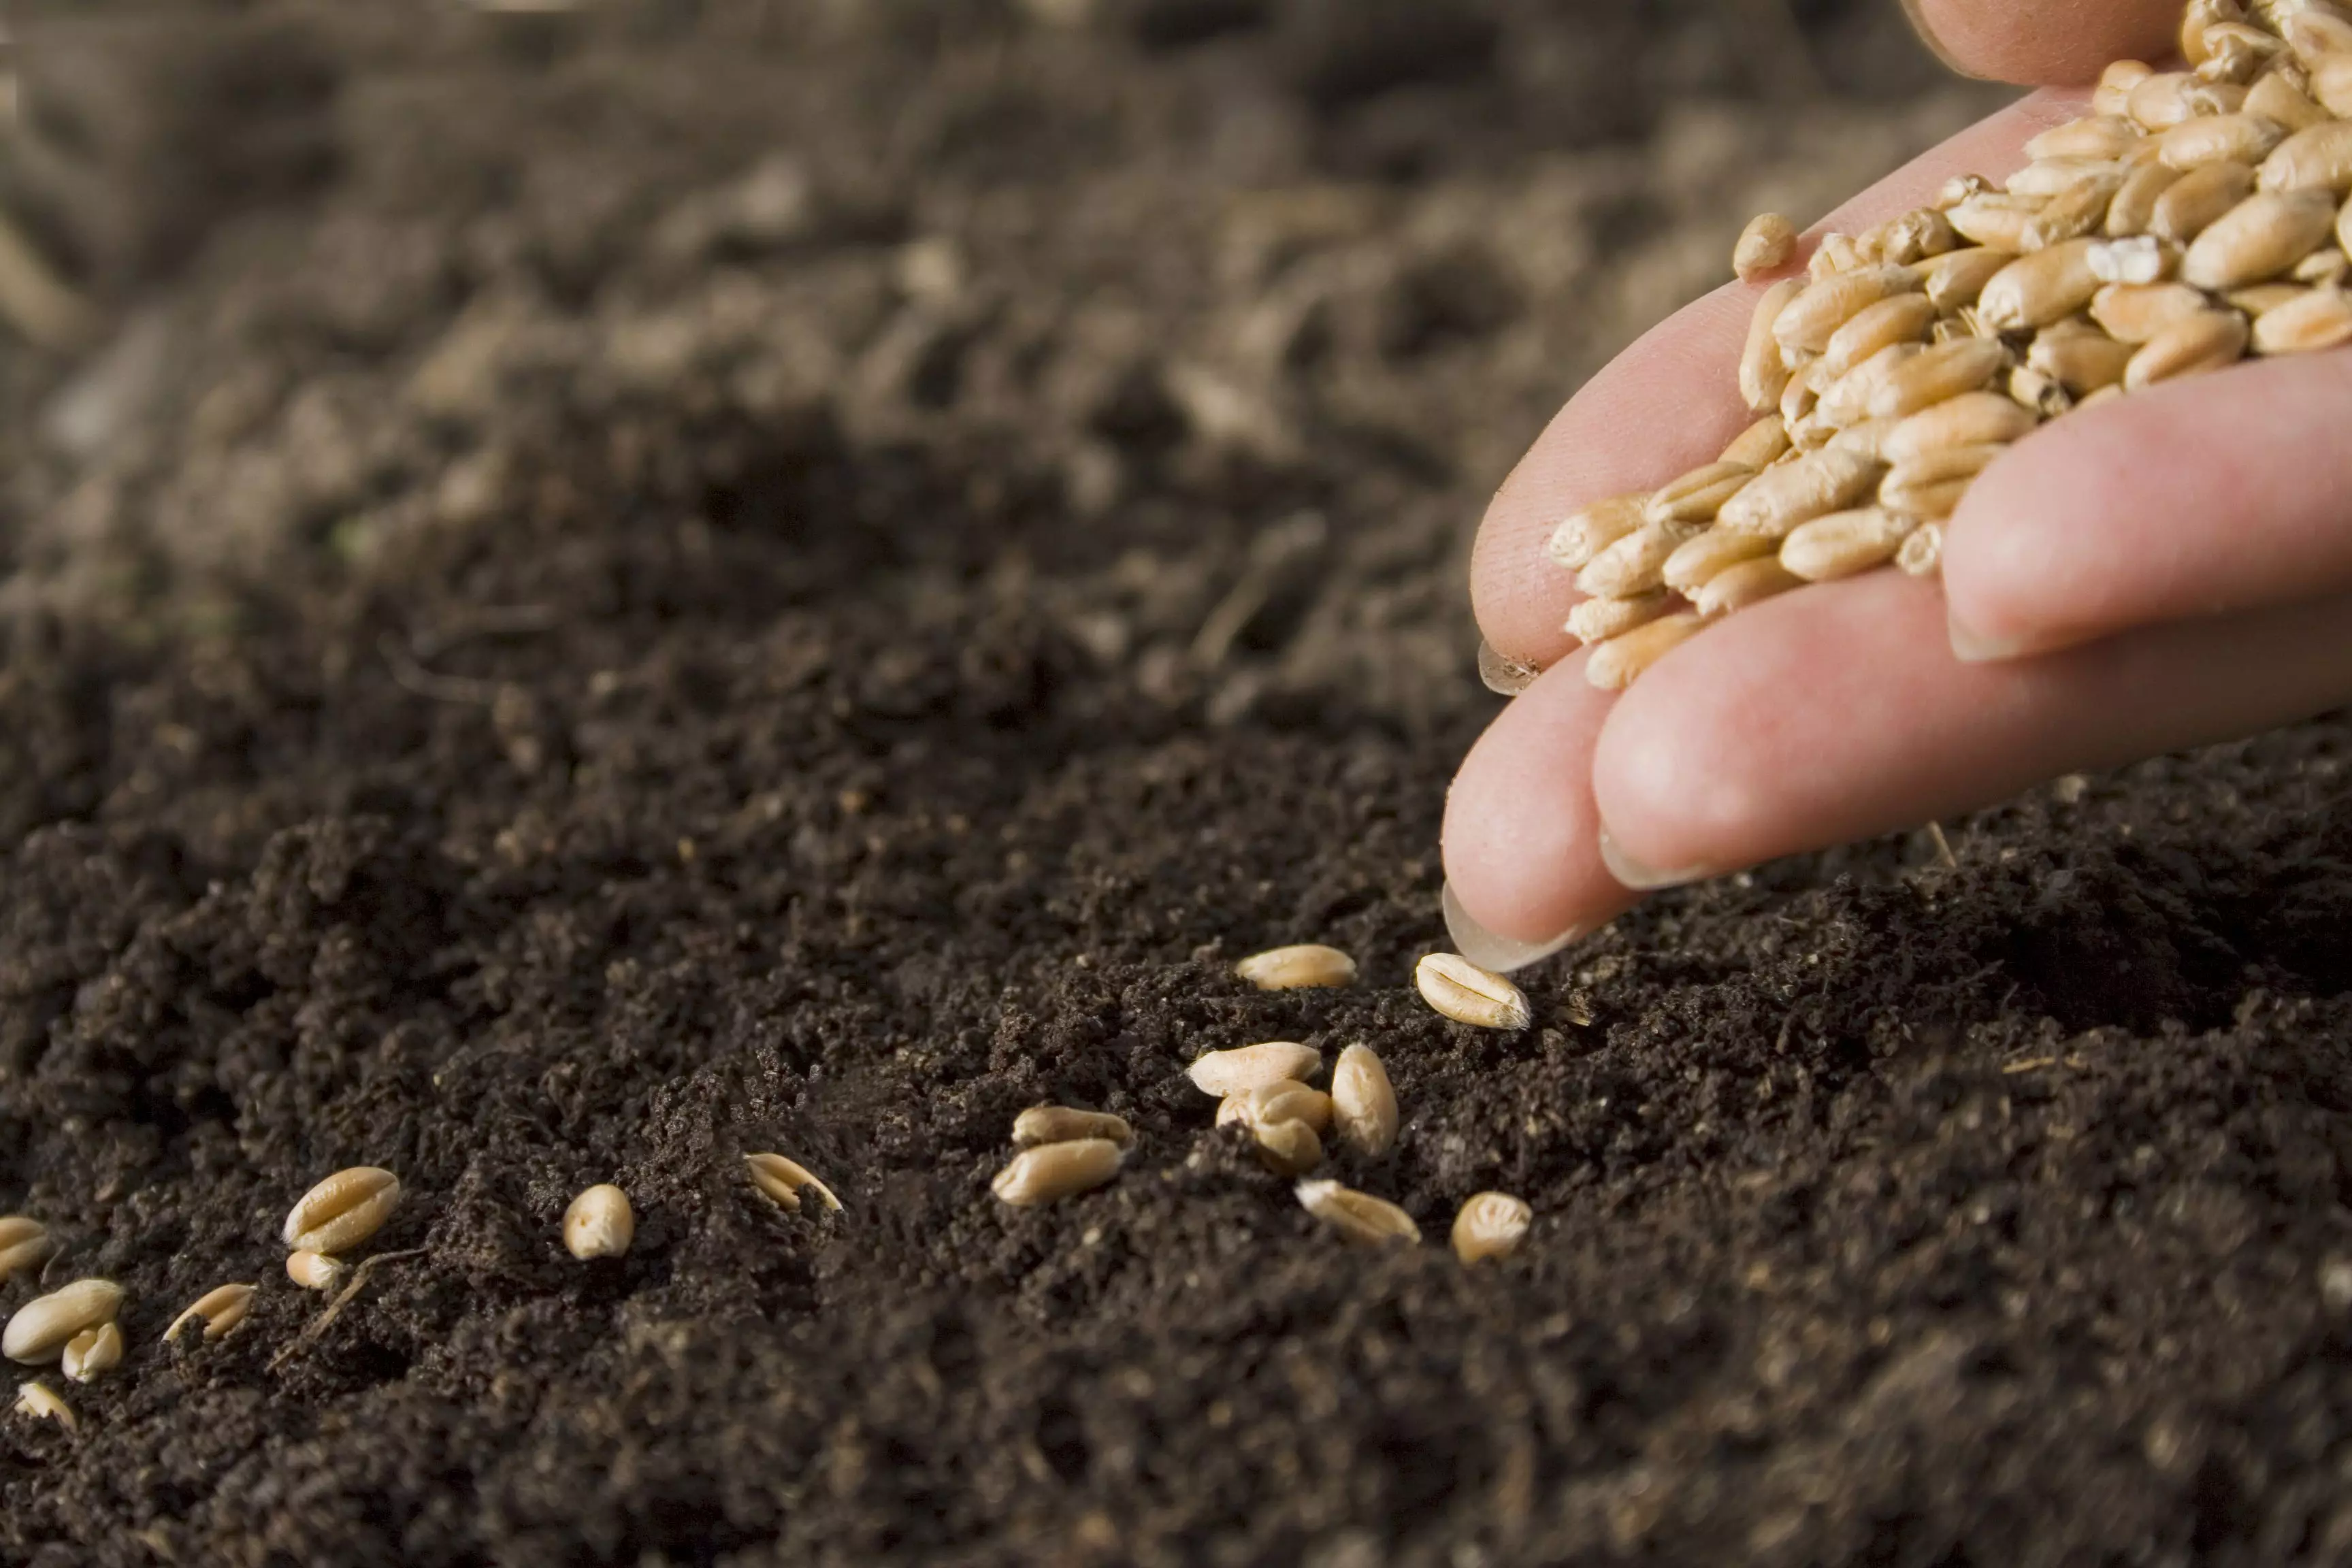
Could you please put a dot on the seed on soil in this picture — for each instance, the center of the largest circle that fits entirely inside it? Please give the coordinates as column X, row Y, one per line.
column 1288, row 1148
column 220, row 1309
column 1304, row 965
column 1469, row 994
column 343, row 1210
column 1363, row 1103
column 41, row 1328
column 1288, row 1100
column 92, row 1352
column 1358, row 1217
column 1241, row 1067
column 1051, row 1171
column 314, row 1270
column 40, row 1400
column 1064, row 1124
column 599, row 1222
column 1490, row 1224
column 23, row 1243
column 1765, row 246
column 782, row 1179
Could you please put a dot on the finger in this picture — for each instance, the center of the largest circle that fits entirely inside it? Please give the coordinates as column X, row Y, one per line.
column 1522, row 861
column 2055, row 46
column 2196, row 497
column 1835, row 713
column 1670, row 402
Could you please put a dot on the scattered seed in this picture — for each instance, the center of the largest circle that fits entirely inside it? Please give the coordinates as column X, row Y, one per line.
column 1303, row 966
column 1598, row 620
column 599, row 1222
column 37, row 1400
column 1765, row 246
column 1490, row 1224
column 1618, row 663
column 23, row 1243
column 782, row 1179
column 1062, row 1124
column 343, row 1210
column 220, row 1309
column 1469, row 994
column 1288, row 1148
column 1363, row 1104
column 314, row 1270
column 1358, row 1217
column 1243, row 1067
column 1051, row 1171
column 1588, row 530
column 93, row 1352
column 42, row 1326
column 2321, row 318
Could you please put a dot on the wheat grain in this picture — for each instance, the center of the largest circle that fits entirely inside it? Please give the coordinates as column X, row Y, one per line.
column 92, row 1352
column 1220, row 1074
column 2319, row 318
column 41, row 1329
column 781, row 1181
column 1469, row 994
column 1062, row 1124
column 220, row 1309
column 1748, row 582
column 343, row 1210
column 2208, row 340
column 1054, row 1171
column 1358, row 1217
column 1764, row 246
column 1304, row 965
column 40, row 1400
column 1618, row 663
column 23, row 1244
column 1363, row 1102
column 1490, row 1224
column 1844, row 542
column 1598, row 620
column 599, row 1222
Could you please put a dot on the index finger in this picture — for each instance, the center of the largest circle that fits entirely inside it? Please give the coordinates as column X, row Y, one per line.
column 1669, row 403
column 2045, row 45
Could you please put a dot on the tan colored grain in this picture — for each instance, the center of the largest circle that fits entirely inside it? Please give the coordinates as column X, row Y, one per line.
column 2030, row 388
column 1696, row 496
column 1922, row 554
column 1634, row 564
column 1802, row 488
column 2134, row 207
column 1288, row 1148
column 1957, row 189
column 2198, row 198
column 2208, row 340
column 38, row 1401
column 599, row 1222
column 1797, row 399
column 1698, row 559
column 1844, row 544
column 1737, row 587
column 1358, row 1216
column 2133, row 313
column 1590, row 530
column 1765, row 246
column 315, row 1270
column 1762, row 375
column 1598, row 620
column 2264, row 297
column 220, row 1309
column 1363, row 1102
column 1945, row 371
column 2047, row 177
column 2112, row 94
column 1931, row 485
column 2258, row 239
column 2273, row 97
column 2237, row 54
column 1469, row 994
column 2318, row 157
column 1490, row 1224
column 2331, row 83
column 1898, row 318
column 92, row 1352
column 1957, row 279
column 2036, row 290
column 781, row 1181
column 1810, row 319
column 2198, row 16
column 2321, row 269
column 343, row 1210
column 1847, row 399
column 1243, row 1067
column 1865, row 439
column 1616, row 664
column 1064, row 1124
column 2321, row 318
column 2220, row 137
column 1917, row 236
column 2078, row 210
column 1758, row 444
column 1306, row 965
column 2078, row 356
column 2166, row 98
column 2314, row 30
column 41, row 1327
column 1972, row 418
column 1057, row 1171
column 2092, row 136
column 23, row 1243
column 1996, row 220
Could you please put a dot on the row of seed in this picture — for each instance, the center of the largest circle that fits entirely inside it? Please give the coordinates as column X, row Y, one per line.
column 76, row 1325
column 2193, row 217
column 1264, row 1088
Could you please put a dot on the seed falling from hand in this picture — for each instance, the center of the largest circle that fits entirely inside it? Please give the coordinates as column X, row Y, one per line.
column 343, row 1210
column 1490, row 1224
column 782, row 1179
column 1309, row 965
column 92, row 1352
column 1053, row 1171
column 1469, row 994
column 599, row 1224
column 220, row 1309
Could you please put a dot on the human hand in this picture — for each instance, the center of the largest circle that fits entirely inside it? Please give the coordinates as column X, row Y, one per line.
column 2164, row 570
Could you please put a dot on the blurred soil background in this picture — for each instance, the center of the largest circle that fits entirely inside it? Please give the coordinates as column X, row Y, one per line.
column 587, row 593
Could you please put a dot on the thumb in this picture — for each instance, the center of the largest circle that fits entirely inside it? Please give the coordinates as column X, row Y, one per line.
column 2046, row 43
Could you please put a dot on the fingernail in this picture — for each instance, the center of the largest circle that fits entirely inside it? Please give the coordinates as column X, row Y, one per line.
column 1642, row 879
column 1972, row 647
column 1505, row 677
column 1501, row 954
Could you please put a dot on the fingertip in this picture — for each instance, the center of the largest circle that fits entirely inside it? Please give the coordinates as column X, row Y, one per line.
column 2051, row 46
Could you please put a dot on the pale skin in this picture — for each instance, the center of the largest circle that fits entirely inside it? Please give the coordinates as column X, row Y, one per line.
column 2163, row 572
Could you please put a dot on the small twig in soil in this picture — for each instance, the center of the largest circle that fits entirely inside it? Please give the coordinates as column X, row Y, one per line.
column 1943, row 847
column 411, row 676
column 318, row 1324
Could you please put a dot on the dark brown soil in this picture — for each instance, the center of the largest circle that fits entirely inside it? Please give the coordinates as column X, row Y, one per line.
column 635, row 588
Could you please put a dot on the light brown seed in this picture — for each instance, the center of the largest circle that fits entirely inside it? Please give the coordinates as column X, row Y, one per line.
column 2198, row 198
column 1865, row 437
column 1847, row 399
column 2112, row 94
column 2143, row 259
column 2210, row 340
column 2198, row 16
column 2237, row 54
column 599, row 1222
column 2135, row 313
column 2078, row 357
column 2331, row 82
column 2134, row 207
column 1242, row 1068
column 1844, row 542
column 1765, row 246
column 1957, row 189
column 1917, row 236
column 1797, row 398
column 2080, row 209
column 2092, row 136
column 1288, row 1100
column 1469, row 994
column 23, row 1243
column 2030, row 388
column 2273, row 97
column 1760, row 444
column 1290, row 1147
column 1956, row 279
column 1358, row 1217
column 1306, row 965
column 42, row 1326
column 1696, row 559
column 1490, row 1224
column 782, row 1179
column 40, row 1400
column 2166, row 98
column 1836, row 253
column 1062, row 1124
column 1996, row 220
column 1931, row 485
column 1363, row 1102
column 1633, row 565
column 1590, row 530
column 1898, row 318
column 1616, row 664
column 2321, row 318
column 1693, row 496
column 343, row 1210
column 2037, row 290
column 315, row 1270
column 92, row 1352
column 1763, row 377
column 1922, row 554
column 2220, row 137
column 2258, row 239
column 1598, row 620
column 2321, row 269
column 2314, row 31
column 2316, row 158
column 1790, row 492
column 220, row 1309
column 2264, row 297
column 1737, row 587
column 1053, row 1171
column 1814, row 316
column 2046, row 177
column 1945, row 371
column 2343, row 228
column 1970, row 419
